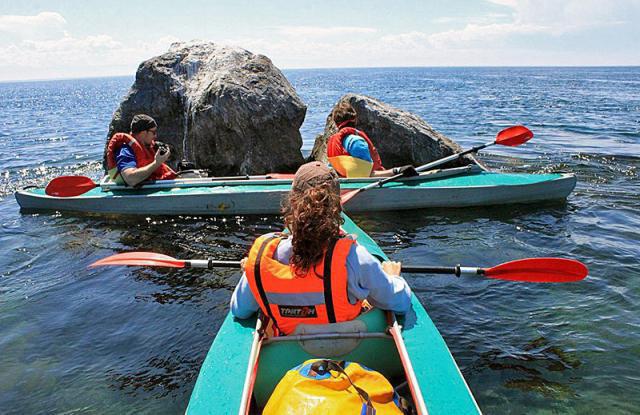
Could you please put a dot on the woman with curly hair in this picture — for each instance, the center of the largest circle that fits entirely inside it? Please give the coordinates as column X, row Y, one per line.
column 315, row 274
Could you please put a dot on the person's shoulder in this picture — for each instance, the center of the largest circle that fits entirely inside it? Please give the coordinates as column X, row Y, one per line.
column 125, row 149
column 357, row 147
column 353, row 139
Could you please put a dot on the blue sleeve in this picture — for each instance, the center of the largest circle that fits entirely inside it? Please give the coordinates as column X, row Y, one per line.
column 356, row 146
column 367, row 279
column 125, row 159
column 243, row 304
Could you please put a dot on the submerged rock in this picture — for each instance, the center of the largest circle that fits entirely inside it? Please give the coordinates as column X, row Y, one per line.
column 224, row 108
column 400, row 137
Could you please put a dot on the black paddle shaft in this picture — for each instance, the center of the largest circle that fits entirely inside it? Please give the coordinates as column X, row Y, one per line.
column 409, row 269
column 380, row 183
column 425, row 269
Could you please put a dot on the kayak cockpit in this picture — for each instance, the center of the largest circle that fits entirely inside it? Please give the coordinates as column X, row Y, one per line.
column 367, row 340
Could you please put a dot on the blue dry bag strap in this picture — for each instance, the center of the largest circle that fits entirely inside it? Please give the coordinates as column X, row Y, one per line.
column 259, row 286
column 326, row 280
column 325, row 365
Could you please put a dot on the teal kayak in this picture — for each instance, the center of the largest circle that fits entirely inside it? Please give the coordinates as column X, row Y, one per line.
column 458, row 187
column 243, row 367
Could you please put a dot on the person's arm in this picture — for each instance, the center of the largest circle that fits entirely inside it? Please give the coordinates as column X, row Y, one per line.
column 367, row 279
column 243, row 304
column 382, row 173
column 134, row 175
column 408, row 171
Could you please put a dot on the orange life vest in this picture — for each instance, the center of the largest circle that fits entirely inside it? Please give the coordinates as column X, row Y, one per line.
column 290, row 300
column 144, row 156
column 336, row 149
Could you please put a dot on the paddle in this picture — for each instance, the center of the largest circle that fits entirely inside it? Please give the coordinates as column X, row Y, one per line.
column 512, row 136
column 68, row 186
column 524, row 270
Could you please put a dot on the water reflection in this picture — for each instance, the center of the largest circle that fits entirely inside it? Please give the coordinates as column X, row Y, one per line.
column 533, row 368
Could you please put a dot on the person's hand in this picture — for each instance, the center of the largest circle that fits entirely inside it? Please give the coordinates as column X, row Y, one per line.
column 392, row 267
column 243, row 262
column 162, row 157
column 407, row 171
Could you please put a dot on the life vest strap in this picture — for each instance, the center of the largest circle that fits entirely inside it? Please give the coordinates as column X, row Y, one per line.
column 326, row 365
column 259, row 286
column 326, row 280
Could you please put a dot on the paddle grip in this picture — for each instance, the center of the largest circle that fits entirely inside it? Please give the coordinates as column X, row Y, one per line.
column 457, row 270
column 210, row 264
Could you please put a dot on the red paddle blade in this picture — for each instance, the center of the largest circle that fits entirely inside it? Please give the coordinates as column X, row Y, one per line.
column 539, row 270
column 348, row 195
column 514, row 136
column 140, row 259
column 68, row 186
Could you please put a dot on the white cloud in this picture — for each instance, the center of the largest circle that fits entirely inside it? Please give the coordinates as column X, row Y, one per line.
column 528, row 17
column 40, row 45
column 474, row 35
column 316, row 31
column 87, row 51
column 563, row 16
column 45, row 25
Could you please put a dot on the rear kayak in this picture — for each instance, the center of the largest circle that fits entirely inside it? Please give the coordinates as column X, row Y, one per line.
column 458, row 187
column 228, row 383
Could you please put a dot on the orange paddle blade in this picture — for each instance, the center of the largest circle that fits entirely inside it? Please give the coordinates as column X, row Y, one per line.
column 539, row 270
column 514, row 136
column 140, row 259
column 68, row 186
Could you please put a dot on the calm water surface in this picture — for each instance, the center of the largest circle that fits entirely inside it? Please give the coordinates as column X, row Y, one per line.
column 127, row 340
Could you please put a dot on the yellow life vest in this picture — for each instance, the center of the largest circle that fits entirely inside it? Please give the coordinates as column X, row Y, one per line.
column 320, row 386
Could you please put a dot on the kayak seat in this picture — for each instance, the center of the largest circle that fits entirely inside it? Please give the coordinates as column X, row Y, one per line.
column 330, row 347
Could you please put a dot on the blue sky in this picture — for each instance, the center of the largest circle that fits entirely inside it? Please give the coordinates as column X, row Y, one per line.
column 67, row 39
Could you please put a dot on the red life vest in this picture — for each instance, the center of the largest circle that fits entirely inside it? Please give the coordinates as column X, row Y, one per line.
column 335, row 147
column 144, row 156
column 290, row 300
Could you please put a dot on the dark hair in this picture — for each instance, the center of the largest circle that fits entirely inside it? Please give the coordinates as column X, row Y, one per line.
column 142, row 122
column 344, row 112
column 313, row 217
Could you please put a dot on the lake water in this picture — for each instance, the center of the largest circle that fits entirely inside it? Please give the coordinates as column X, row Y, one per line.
column 131, row 340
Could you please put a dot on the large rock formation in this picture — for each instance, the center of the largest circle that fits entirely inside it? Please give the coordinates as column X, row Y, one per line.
column 400, row 137
column 223, row 108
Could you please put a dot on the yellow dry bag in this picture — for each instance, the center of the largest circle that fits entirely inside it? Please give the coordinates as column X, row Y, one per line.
column 320, row 386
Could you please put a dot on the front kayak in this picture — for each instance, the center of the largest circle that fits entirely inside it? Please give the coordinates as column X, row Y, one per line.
column 458, row 187
column 242, row 368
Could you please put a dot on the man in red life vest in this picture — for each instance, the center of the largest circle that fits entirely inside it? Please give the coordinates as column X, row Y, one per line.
column 134, row 157
column 350, row 151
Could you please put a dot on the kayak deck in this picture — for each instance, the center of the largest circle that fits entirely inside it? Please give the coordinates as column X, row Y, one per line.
column 461, row 188
column 218, row 389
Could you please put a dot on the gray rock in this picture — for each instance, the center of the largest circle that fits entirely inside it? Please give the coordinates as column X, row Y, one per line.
column 224, row 108
column 400, row 137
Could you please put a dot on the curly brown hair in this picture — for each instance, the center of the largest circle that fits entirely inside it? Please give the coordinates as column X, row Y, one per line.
column 344, row 112
column 313, row 217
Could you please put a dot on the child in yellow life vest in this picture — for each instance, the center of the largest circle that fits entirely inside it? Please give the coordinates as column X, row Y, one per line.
column 350, row 151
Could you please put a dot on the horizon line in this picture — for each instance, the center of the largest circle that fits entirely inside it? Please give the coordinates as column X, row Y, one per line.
column 24, row 80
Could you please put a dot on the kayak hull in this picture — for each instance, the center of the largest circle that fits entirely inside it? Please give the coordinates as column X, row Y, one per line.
column 219, row 387
column 263, row 197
